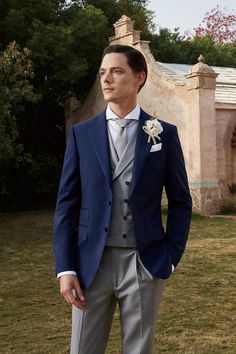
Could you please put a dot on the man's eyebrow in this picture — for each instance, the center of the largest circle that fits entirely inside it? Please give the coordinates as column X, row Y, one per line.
column 112, row 68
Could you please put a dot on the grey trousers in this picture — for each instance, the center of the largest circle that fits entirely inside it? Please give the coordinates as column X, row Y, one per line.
column 121, row 278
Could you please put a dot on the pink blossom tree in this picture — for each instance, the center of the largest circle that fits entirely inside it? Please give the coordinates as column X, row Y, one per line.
column 219, row 24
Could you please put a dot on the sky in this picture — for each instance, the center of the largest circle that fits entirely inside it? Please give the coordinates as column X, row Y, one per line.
column 185, row 14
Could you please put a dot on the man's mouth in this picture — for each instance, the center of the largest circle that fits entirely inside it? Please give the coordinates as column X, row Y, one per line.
column 108, row 89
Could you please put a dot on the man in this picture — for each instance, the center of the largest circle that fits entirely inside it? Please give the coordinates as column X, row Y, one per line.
column 110, row 245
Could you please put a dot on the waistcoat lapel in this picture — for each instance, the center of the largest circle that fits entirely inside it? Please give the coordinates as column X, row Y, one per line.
column 113, row 153
column 127, row 156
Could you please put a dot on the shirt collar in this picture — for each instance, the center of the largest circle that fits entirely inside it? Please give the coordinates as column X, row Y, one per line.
column 134, row 114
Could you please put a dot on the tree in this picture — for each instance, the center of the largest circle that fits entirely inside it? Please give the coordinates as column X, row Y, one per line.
column 15, row 74
column 65, row 41
column 135, row 9
column 15, row 87
column 220, row 25
column 170, row 46
column 166, row 46
column 57, row 36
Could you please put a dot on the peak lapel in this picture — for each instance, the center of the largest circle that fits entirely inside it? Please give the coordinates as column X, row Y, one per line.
column 142, row 149
column 99, row 140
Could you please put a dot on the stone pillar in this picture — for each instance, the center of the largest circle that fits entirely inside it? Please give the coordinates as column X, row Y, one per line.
column 200, row 85
column 125, row 34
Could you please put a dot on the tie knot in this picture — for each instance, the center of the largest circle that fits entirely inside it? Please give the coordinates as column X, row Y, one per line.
column 122, row 122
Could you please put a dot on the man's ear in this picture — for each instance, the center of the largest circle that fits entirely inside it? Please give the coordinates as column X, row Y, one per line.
column 141, row 77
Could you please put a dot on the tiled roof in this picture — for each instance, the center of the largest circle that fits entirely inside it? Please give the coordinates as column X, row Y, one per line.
column 174, row 72
column 225, row 81
column 225, row 84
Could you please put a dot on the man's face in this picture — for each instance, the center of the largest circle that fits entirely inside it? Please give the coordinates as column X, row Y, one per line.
column 119, row 83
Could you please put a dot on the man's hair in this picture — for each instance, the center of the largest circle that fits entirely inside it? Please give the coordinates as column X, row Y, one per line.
column 135, row 58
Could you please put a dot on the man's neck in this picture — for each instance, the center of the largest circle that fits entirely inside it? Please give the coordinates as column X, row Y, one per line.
column 122, row 110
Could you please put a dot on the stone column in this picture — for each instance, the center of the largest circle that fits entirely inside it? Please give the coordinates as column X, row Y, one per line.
column 125, row 34
column 200, row 85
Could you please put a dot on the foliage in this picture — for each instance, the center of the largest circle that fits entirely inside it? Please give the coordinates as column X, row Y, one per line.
column 65, row 40
column 170, row 46
column 218, row 24
column 166, row 46
column 57, row 37
column 15, row 88
column 215, row 38
column 135, row 9
column 65, row 43
column 215, row 54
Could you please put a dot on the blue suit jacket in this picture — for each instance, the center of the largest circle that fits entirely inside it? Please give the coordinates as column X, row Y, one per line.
column 85, row 198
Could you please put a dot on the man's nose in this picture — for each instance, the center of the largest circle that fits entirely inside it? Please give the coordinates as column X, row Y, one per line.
column 107, row 77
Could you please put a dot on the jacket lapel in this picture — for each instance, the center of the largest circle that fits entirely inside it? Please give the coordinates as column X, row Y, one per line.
column 99, row 140
column 142, row 150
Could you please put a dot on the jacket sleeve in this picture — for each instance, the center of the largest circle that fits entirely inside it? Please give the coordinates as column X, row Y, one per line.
column 67, row 209
column 179, row 200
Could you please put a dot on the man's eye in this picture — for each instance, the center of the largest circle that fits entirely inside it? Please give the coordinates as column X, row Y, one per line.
column 116, row 71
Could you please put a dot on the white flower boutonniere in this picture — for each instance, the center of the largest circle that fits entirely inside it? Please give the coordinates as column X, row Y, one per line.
column 153, row 128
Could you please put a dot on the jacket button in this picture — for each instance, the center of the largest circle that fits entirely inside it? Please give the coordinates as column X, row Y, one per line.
column 109, row 203
column 127, row 182
column 105, row 229
column 126, row 200
column 124, row 236
column 125, row 217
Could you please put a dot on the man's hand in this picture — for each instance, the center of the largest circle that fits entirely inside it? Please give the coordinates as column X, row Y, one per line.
column 71, row 290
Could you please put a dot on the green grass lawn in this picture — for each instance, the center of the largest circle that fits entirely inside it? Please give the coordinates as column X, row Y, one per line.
column 197, row 313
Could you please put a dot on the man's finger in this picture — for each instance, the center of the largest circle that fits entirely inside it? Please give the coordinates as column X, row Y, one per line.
column 74, row 300
column 79, row 292
column 71, row 291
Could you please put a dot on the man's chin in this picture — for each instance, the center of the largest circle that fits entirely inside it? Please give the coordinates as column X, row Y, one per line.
column 108, row 98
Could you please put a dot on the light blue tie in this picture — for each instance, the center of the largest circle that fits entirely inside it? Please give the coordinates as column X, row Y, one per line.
column 121, row 138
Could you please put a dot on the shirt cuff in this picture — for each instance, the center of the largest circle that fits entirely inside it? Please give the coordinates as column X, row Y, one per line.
column 173, row 268
column 68, row 272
